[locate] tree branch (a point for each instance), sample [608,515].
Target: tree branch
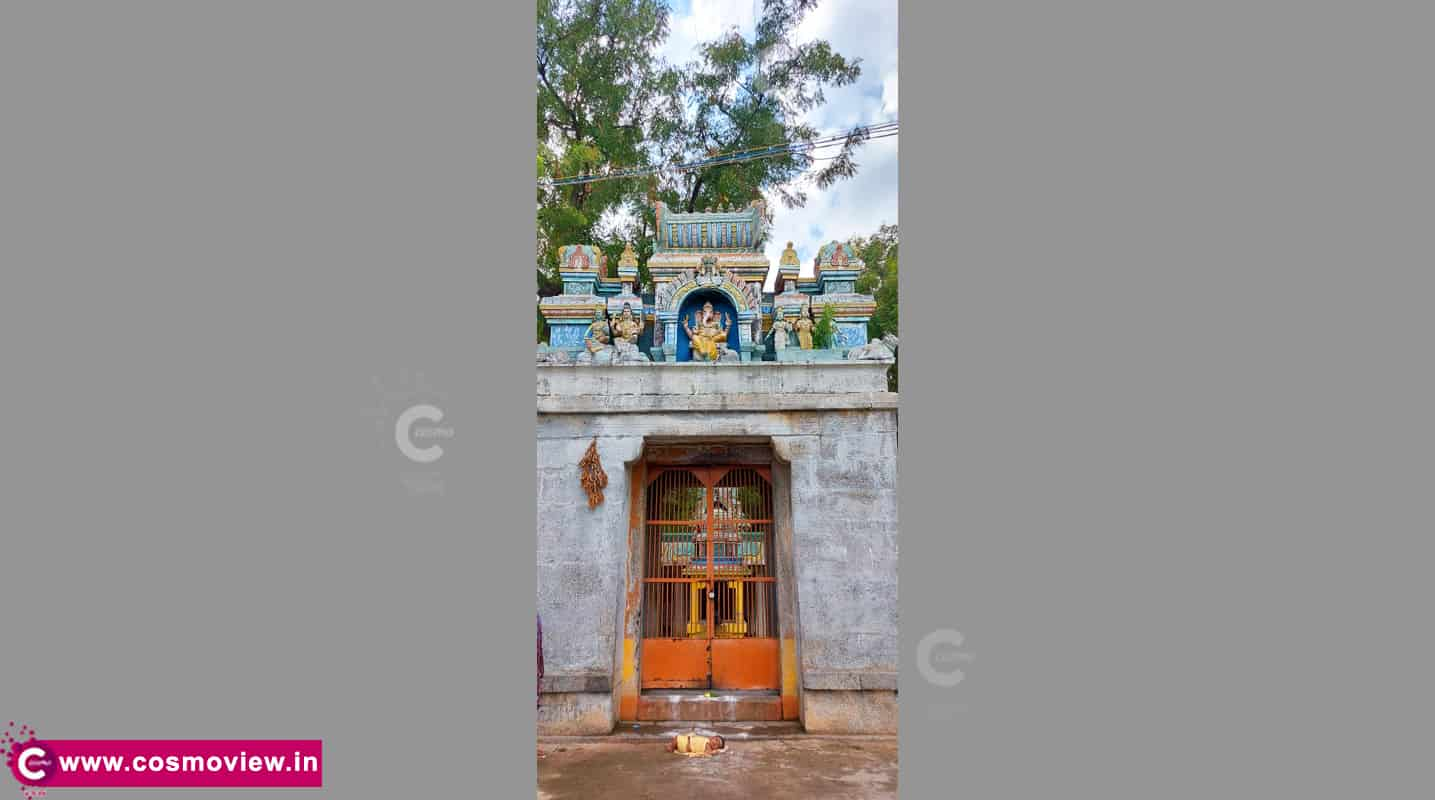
[693,195]
[543,76]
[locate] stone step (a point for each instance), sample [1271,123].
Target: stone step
[644,731]
[694,705]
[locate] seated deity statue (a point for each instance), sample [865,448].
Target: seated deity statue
[627,327]
[709,337]
[596,338]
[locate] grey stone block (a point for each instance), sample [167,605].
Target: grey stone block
[849,680]
[865,712]
[885,681]
[577,682]
[831,680]
[576,714]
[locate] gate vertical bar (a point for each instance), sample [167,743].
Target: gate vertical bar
[710,482]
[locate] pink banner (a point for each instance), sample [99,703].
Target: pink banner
[163,763]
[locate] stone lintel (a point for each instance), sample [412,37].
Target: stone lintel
[692,386]
[629,404]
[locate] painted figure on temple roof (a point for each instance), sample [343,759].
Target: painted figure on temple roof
[804,326]
[781,330]
[596,338]
[627,327]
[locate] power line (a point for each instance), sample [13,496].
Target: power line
[736,156]
[721,159]
[878,131]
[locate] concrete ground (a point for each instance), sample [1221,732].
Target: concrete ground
[829,767]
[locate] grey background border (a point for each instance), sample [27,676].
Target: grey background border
[1166,324]
[237,238]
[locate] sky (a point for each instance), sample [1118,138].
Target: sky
[865,29]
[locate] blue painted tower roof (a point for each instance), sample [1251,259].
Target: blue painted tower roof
[725,229]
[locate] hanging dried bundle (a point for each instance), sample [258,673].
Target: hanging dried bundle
[595,480]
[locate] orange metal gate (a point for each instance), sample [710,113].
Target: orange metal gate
[709,613]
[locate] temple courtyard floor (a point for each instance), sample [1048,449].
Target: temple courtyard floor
[754,765]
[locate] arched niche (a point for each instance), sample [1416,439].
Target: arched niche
[691,305]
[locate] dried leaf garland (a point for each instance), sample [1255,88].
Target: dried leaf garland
[595,480]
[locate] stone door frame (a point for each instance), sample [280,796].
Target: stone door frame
[696,451]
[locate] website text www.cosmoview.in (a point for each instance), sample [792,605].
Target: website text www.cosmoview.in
[153,763]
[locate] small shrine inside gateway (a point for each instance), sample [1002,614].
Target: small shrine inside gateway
[706,302]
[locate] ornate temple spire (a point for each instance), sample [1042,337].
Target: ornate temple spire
[788,269]
[628,267]
[789,257]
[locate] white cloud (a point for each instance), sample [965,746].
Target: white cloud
[703,21]
[854,207]
[889,93]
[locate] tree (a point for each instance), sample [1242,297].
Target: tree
[740,94]
[598,88]
[884,319]
[879,253]
[826,328]
[875,251]
[596,81]
[879,277]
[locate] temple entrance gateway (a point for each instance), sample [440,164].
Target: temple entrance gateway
[709,616]
[731,480]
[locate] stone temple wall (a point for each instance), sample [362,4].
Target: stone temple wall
[833,429]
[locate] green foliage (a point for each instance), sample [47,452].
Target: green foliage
[826,329]
[684,503]
[644,247]
[879,252]
[884,319]
[739,94]
[597,95]
[596,83]
[751,501]
[875,251]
